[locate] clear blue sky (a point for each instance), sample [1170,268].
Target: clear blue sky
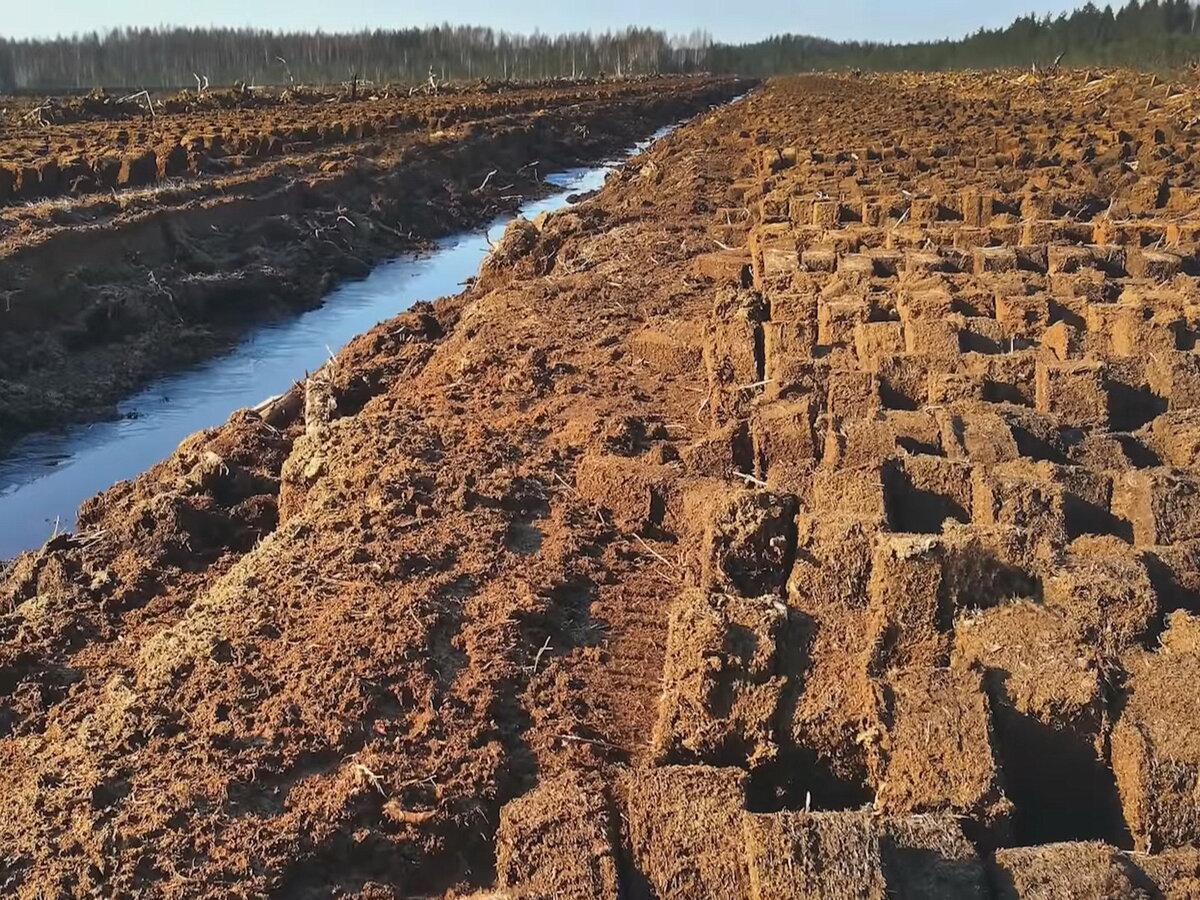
[896,20]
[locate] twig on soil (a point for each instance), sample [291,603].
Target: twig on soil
[655,553]
[389,229]
[486,180]
[365,773]
[143,95]
[582,499]
[757,384]
[38,113]
[566,484]
[583,740]
[89,539]
[750,479]
[166,292]
[287,69]
[428,779]
[260,407]
[537,660]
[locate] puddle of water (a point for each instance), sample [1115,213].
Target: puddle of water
[46,476]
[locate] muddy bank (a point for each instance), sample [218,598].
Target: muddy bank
[101,294]
[47,475]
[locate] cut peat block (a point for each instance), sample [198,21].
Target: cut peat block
[1155,748]
[1176,378]
[904,608]
[746,541]
[827,856]
[923,491]
[904,379]
[1175,874]
[832,564]
[731,353]
[919,583]
[717,453]
[994,260]
[722,680]
[875,339]
[1074,392]
[1177,437]
[674,349]
[1160,505]
[1035,661]
[1014,495]
[1057,871]
[557,842]
[725,267]
[730,339]
[857,492]
[783,438]
[937,753]
[985,565]
[852,394]
[827,591]
[977,435]
[684,830]
[1104,586]
[1049,710]
[1175,572]
[1059,501]
[634,491]
[784,339]
[864,442]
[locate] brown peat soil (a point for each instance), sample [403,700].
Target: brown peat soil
[814,512]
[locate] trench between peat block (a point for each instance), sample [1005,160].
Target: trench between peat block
[46,476]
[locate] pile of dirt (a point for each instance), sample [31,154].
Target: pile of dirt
[810,513]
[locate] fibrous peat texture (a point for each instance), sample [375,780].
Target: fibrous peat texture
[814,512]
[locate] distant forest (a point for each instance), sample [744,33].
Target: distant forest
[1157,34]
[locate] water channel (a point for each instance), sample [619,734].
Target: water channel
[46,476]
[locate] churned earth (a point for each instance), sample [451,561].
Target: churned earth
[811,513]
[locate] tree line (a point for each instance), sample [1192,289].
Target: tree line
[1149,33]
[178,57]
[1156,34]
